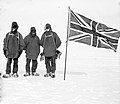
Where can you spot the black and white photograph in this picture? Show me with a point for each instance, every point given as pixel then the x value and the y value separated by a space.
pixel 59 52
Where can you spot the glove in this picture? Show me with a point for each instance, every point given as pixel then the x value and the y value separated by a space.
pixel 42 54
pixel 5 53
pixel 59 54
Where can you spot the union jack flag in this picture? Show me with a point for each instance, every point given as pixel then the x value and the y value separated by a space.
pixel 87 31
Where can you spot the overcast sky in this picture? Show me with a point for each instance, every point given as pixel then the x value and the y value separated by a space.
pixel 39 12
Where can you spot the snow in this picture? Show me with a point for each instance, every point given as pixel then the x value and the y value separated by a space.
pixel 79 88
pixel 92 76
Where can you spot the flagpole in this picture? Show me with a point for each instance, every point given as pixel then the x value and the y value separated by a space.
pixel 68 31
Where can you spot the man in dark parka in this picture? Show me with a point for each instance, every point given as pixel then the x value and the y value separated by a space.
pixel 32 50
pixel 50 42
pixel 12 48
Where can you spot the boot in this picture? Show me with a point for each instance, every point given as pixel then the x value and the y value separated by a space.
pixel 35 74
pixel 53 75
pixel 47 75
pixel 26 74
pixel 6 76
pixel 15 75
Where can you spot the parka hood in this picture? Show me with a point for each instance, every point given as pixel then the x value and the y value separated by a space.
pixel 14 26
pixel 32 31
pixel 48 27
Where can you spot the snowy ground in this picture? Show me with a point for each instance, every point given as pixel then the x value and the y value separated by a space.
pixel 95 87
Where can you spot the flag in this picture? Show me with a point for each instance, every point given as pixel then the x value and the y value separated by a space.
pixel 87 31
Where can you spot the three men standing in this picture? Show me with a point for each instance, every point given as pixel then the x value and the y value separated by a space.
pixel 14 45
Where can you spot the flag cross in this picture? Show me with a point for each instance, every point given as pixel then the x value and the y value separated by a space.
pixel 95 35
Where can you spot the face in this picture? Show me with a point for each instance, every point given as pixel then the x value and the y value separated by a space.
pixel 33 32
pixel 47 29
pixel 14 28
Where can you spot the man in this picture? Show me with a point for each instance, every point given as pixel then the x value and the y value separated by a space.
pixel 50 42
pixel 13 47
pixel 32 50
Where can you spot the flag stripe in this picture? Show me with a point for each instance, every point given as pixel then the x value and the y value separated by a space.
pixel 78 19
pixel 94 43
pixel 79 37
pixel 78 27
pixel 87 20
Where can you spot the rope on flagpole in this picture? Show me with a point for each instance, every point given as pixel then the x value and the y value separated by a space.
pixel 68 31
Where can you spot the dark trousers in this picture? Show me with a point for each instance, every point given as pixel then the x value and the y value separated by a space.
pixel 50 64
pixel 15 65
pixel 34 65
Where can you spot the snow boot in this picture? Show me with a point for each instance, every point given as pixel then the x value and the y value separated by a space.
pixel 26 74
pixel 35 74
pixel 6 76
pixel 53 75
pixel 47 75
pixel 15 75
